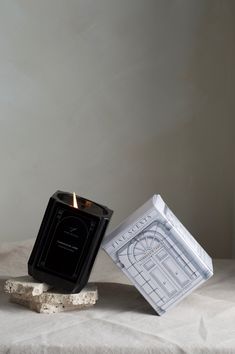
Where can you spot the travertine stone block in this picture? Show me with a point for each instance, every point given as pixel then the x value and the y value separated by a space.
pixel 25 285
pixel 46 307
pixel 36 296
pixel 88 295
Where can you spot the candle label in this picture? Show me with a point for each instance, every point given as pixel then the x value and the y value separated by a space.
pixel 66 244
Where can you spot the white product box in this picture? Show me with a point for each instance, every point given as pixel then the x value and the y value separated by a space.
pixel 158 255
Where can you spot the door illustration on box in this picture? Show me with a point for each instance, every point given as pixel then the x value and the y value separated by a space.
pixel 152 262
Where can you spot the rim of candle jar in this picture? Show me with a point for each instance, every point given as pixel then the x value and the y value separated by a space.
pixel 83 203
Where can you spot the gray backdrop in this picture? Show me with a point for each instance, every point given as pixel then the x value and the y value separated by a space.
pixel 117 100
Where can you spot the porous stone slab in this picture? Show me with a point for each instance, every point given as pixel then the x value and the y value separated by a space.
pixel 87 296
pixel 25 285
pixel 47 307
pixel 27 292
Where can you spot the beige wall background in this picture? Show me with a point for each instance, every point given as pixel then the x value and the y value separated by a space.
pixel 117 100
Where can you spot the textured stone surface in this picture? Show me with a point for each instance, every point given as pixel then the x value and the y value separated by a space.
pixel 47 308
pixel 88 295
pixel 25 285
pixel 36 296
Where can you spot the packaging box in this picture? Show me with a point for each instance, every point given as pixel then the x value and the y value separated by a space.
pixel 158 255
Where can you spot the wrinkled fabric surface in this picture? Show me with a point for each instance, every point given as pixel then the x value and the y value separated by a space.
pixel 121 321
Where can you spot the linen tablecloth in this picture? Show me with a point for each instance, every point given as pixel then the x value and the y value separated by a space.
pixel 121 321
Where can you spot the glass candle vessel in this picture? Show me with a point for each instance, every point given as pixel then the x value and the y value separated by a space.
pixel 68 241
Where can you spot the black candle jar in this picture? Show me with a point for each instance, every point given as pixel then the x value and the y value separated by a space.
pixel 68 241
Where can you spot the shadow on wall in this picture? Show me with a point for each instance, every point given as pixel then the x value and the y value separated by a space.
pixel 213 76
pixel 194 179
pixel 194 161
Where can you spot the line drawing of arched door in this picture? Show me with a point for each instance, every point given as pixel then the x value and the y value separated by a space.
pixel 151 261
